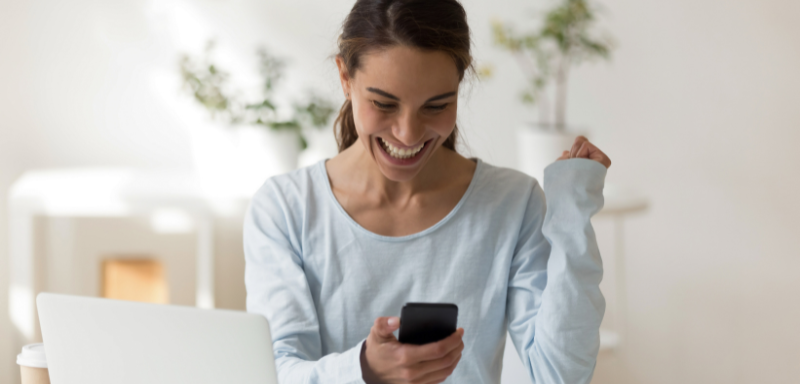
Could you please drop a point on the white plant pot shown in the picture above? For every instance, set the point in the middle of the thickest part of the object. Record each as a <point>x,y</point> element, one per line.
<point>539,146</point>
<point>265,152</point>
<point>235,161</point>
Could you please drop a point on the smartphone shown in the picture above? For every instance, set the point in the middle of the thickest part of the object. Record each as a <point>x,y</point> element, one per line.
<point>423,323</point>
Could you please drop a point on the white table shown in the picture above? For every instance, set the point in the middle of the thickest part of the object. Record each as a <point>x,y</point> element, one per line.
<point>619,202</point>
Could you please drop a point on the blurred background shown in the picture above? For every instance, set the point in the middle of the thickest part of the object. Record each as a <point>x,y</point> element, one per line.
<point>116,182</point>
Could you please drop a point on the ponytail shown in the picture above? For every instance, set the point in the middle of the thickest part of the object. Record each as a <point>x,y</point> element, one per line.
<point>344,128</point>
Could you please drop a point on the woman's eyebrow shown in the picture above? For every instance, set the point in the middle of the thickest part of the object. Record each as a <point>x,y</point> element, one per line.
<point>393,97</point>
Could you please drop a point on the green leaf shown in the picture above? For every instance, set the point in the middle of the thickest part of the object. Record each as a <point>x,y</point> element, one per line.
<point>527,97</point>
<point>264,104</point>
<point>303,142</point>
<point>284,125</point>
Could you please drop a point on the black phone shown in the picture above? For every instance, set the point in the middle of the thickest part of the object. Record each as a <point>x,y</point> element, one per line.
<point>423,323</point>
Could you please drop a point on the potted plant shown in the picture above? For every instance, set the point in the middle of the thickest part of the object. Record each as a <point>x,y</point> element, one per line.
<point>265,139</point>
<point>563,39</point>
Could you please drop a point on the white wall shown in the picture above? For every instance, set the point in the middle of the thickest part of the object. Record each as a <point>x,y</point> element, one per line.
<point>698,110</point>
<point>6,356</point>
<point>9,165</point>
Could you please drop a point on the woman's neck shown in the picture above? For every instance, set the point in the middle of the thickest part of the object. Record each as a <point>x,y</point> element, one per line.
<point>364,175</point>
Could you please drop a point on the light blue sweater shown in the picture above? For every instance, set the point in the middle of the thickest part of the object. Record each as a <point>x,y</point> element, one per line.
<point>510,261</point>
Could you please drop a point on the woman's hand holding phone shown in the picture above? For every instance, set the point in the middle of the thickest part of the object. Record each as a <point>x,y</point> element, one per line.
<point>385,360</point>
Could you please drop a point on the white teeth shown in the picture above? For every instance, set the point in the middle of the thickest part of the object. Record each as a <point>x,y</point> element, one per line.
<point>401,153</point>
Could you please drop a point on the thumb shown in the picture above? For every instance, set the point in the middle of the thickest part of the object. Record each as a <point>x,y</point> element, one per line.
<point>383,328</point>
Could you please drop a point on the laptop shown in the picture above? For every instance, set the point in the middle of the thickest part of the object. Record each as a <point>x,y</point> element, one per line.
<point>100,341</point>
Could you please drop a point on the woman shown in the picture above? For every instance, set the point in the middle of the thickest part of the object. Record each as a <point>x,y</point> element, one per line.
<point>399,216</point>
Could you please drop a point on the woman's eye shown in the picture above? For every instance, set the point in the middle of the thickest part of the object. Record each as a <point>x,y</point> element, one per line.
<point>382,105</point>
<point>436,107</point>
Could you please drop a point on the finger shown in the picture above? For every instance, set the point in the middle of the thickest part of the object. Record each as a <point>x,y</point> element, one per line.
<point>432,351</point>
<point>425,367</point>
<point>600,157</point>
<point>440,375</point>
<point>383,328</point>
<point>576,145</point>
<point>564,155</point>
<point>606,162</point>
<point>590,151</point>
<point>583,152</point>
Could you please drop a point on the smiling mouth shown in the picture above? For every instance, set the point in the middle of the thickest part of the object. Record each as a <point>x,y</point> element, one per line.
<point>399,153</point>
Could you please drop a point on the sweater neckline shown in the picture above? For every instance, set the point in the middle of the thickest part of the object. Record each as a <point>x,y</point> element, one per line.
<point>322,174</point>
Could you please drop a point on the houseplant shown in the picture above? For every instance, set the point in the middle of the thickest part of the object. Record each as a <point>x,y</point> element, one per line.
<point>563,38</point>
<point>266,139</point>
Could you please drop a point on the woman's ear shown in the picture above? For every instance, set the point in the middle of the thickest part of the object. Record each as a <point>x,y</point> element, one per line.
<point>344,77</point>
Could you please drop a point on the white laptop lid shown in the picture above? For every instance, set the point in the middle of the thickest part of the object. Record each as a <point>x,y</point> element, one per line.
<point>101,341</point>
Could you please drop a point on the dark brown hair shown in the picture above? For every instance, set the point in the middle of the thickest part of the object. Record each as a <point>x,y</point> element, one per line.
<point>433,25</point>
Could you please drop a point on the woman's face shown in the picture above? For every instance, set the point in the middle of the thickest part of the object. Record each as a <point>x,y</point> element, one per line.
<point>404,105</point>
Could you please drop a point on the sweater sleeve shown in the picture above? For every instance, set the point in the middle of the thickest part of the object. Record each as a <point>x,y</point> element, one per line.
<point>277,288</point>
<point>555,306</point>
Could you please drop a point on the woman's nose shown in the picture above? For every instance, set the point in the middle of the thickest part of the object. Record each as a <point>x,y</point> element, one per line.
<point>409,130</point>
